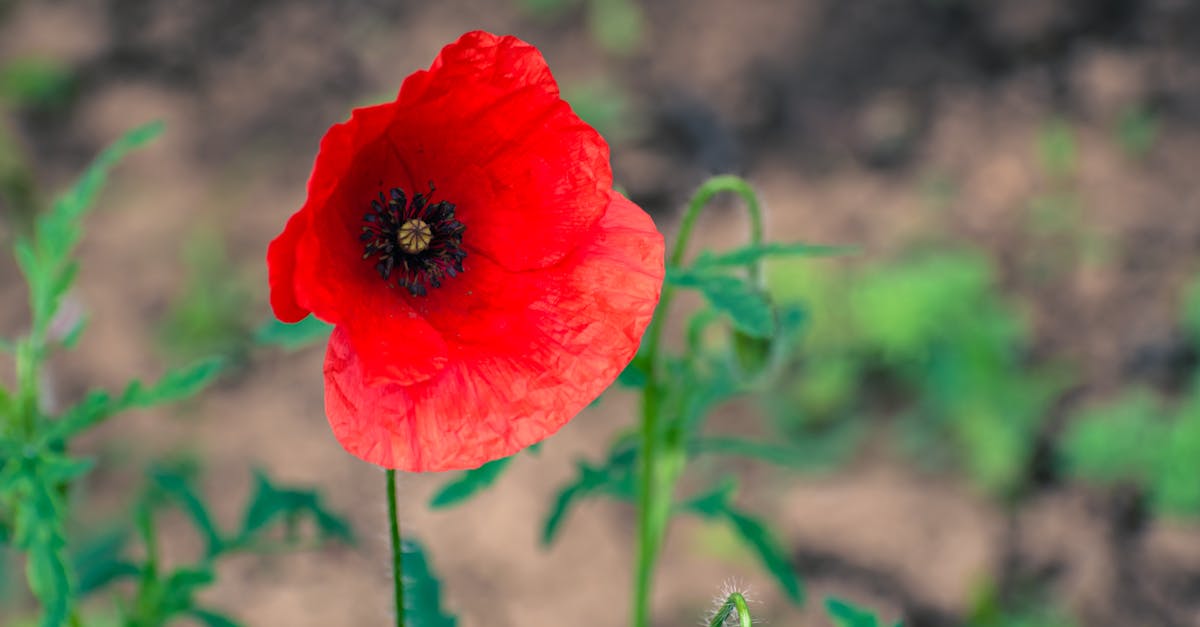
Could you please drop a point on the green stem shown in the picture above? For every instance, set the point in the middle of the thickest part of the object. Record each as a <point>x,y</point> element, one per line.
<point>658,472</point>
<point>397,565</point>
<point>734,603</point>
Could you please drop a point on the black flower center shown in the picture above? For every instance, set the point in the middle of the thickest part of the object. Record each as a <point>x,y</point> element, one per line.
<point>415,245</point>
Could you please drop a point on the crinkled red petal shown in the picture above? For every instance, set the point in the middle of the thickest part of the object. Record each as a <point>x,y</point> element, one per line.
<point>521,372</point>
<point>487,125</point>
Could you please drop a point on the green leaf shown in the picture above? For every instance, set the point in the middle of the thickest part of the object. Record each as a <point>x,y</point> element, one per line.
<point>422,590</point>
<point>469,483</point>
<point>175,385</point>
<point>769,550</point>
<point>293,336</point>
<point>717,505</point>
<point>750,254</point>
<point>98,405</point>
<point>770,452</point>
<point>746,306</point>
<point>60,469</point>
<point>181,586</point>
<point>615,478</point>
<point>93,409</point>
<point>177,487</point>
<point>50,582</point>
<point>271,503</point>
<point>633,375</point>
<point>98,562</point>
<point>845,614</point>
<point>56,232</point>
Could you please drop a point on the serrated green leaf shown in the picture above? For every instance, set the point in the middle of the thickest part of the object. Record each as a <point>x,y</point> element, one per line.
<point>845,614</point>
<point>180,587</point>
<point>177,487</point>
<point>750,254</point>
<point>98,405</point>
<point>45,261</point>
<point>93,409</point>
<point>717,504</point>
<point>293,336</point>
<point>769,550</point>
<point>422,590</point>
<point>713,503</point>
<point>271,503</point>
<point>746,306</point>
<point>614,478</point>
<point>98,562</point>
<point>174,385</point>
<point>470,482</point>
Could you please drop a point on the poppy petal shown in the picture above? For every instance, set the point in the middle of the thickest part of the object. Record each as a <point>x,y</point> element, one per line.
<point>281,270</point>
<point>583,324</point>
<point>484,99</point>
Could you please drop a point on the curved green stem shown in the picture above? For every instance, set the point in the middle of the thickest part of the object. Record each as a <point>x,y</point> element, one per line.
<point>658,472</point>
<point>397,565</point>
<point>735,604</point>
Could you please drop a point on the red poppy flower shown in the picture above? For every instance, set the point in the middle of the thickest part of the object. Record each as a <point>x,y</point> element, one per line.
<point>485,281</point>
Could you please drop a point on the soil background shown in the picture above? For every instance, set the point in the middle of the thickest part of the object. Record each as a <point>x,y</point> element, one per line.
<point>843,114</point>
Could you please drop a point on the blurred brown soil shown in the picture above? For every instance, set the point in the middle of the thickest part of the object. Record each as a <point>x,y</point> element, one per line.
<point>842,114</point>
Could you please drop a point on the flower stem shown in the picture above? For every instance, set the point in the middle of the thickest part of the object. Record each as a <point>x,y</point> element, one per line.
<point>659,469</point>
<point>397,550</point>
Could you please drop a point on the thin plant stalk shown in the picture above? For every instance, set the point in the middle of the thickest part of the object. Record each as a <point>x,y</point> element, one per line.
<point>397,549</point>
<point>662,461</point>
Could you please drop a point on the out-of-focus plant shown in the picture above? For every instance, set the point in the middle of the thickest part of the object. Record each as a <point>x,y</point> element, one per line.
<point>618,26</point>
<point>1137,131</point>
<point>931,336</point>
<point>1144,440</point>
<point>209,316</point>
<point>39,470</point>
<point>1034,609</point>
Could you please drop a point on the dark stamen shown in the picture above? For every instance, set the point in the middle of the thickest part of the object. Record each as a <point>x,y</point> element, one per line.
<point>415,244</point>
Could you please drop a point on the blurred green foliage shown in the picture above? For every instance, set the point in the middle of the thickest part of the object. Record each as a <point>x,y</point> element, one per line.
<point>33,83</point>
<point>39,470</point>
<point>929,340</point>
<point>604,106</point>
<point>1140,441</point>
<point>1033,609</point>
<point>617,26</point>
<point>211,315</point>
<point>1137,131</point>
